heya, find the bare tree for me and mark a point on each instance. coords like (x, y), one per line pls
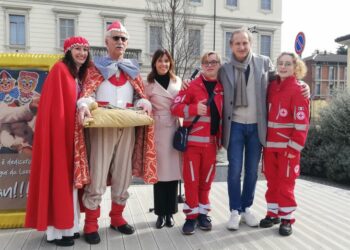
(174, 32)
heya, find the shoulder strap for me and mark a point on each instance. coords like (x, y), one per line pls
(211, 98)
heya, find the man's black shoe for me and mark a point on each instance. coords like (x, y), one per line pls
(169, 221)
(269, 221)
(204, 222)
(285, 228)
(188, 227)
(124, 229)
(92, 238)
(160, 222)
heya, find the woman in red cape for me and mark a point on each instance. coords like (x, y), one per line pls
(52, 200)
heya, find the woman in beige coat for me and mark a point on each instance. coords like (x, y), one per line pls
(161, 88)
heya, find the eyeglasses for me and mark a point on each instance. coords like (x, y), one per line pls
(285, 64)
(211, 63)
(116, 38)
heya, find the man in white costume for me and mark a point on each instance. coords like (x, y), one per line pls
(112, 148)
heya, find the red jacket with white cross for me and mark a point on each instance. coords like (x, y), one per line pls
(288, 116)
(185, 105)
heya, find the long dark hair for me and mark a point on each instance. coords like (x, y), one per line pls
(158, 54)
(69, 61)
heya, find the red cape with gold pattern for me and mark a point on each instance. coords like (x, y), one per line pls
(50, 198)
(144, 163)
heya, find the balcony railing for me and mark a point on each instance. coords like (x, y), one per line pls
(97, 51)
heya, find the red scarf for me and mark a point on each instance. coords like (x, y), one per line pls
(118, 81)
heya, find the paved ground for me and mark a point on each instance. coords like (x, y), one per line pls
(323, 222)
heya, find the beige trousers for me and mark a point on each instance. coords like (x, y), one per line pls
(111, 153)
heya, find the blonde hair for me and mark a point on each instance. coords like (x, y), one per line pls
(209, 53)
(300, 68)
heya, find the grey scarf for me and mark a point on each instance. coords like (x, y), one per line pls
(241, 85)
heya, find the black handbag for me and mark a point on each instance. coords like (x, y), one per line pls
(181, 138)
(181, 134)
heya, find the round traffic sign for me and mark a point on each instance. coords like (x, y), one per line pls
(299, 43)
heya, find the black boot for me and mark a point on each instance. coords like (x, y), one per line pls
(124, 229)
(92, 238)
(160, 221)
(269, 221)
(285, 228)
(169, 220)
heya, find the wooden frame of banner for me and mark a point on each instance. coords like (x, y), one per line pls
(15, 218)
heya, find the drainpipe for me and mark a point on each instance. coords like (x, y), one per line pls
(214, 24)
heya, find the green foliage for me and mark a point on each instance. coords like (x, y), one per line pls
(327, 151)
(342, 50)
(338, 167)
(310, 161)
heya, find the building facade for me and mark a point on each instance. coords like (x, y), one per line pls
(40, 26)
(326, 74)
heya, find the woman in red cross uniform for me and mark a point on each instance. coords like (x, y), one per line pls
(199, 159)
(288, 124)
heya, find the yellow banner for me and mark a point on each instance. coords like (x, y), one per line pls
(21, 79)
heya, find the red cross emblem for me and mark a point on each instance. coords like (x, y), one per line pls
(283, 112)
(300, 115)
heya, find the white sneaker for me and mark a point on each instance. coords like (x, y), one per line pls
(233, 223)
(249, 218)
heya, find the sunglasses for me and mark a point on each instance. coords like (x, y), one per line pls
(116, 38)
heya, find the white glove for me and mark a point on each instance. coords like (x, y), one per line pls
(84, 111)
(145, 105)
(85, 101)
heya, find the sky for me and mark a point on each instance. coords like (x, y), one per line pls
(321, 21)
